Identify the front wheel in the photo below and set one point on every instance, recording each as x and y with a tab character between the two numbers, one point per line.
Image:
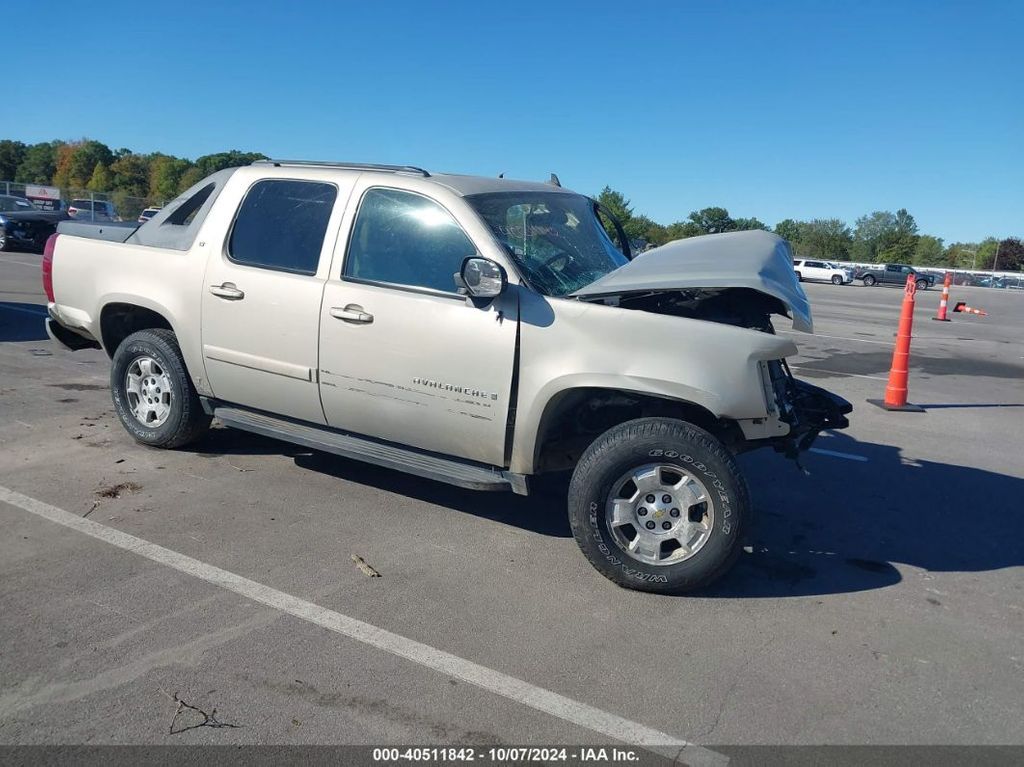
837	280
658	504
153	392
869	280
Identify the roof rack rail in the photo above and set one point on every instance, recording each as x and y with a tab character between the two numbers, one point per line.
345	165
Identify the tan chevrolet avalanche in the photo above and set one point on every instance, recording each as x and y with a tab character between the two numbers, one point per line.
476	331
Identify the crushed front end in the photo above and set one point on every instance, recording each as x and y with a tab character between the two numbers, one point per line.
806	409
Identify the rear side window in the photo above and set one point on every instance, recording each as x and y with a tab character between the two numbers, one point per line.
281	225
402	238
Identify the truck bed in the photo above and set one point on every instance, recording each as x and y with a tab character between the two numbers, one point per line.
112	231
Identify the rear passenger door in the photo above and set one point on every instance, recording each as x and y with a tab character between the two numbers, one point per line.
262	293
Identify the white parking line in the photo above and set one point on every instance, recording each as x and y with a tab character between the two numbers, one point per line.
840	338
798	366
546	701
19	263
837	454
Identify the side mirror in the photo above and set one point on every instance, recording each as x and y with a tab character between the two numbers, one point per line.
482	278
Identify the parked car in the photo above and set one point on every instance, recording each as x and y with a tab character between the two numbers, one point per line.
894	274
10	203
825	271
25	228
92	210
476	331
147	214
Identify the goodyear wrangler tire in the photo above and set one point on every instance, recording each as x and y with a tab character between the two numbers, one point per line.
658	504
153	392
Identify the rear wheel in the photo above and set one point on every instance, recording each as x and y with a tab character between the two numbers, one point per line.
837	280
153	392
869	280
922	284
657	504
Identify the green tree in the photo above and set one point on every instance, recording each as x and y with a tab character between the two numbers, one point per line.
960	255
86	156
711	221
39	163
882	236
165	174
131	174
987	252
929	251
746	224
211	163
12	155
788	229
828	238
620	208
102	179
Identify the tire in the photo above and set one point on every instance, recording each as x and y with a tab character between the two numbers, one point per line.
799	277
4	242
869	280
178	416
837	280
923	284
658	450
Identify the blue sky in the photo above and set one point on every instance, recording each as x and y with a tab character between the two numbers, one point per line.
772	109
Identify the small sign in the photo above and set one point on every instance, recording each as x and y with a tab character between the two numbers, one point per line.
42	192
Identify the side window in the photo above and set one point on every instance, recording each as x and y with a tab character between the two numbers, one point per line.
281	225
816	264
403	238
892	268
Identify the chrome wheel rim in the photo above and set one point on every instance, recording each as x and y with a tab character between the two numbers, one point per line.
660	514
149	392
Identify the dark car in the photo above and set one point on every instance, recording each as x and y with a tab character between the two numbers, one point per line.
893	274
28	229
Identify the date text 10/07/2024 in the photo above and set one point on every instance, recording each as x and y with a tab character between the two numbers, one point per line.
504	754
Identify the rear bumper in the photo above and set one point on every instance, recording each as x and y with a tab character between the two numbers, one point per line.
67	338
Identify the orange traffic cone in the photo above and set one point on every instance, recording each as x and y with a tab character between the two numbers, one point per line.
941	316
963	307
896	391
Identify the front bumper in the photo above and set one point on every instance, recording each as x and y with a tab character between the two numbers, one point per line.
813	410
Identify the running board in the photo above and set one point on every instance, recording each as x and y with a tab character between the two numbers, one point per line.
428	465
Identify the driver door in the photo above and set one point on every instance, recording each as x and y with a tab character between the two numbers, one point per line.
403	356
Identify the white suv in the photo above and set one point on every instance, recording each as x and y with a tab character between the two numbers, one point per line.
821	270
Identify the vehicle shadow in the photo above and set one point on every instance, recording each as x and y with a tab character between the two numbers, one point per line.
22	322
840	530
844	527
543	511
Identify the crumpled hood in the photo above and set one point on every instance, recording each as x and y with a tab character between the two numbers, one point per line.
758	260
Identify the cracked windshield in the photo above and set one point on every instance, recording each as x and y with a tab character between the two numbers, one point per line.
555	238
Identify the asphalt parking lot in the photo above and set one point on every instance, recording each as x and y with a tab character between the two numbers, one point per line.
881	600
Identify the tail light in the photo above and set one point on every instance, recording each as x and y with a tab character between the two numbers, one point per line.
51	245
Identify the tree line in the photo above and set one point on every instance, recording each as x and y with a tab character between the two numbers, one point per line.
131	180
877	237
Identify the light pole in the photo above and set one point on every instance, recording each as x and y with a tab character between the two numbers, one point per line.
995	259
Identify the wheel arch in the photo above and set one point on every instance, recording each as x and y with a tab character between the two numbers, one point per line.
574	417
119	319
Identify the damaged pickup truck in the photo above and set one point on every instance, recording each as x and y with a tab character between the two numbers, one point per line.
468	330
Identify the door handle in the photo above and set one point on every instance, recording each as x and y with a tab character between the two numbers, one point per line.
227	290
352	313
